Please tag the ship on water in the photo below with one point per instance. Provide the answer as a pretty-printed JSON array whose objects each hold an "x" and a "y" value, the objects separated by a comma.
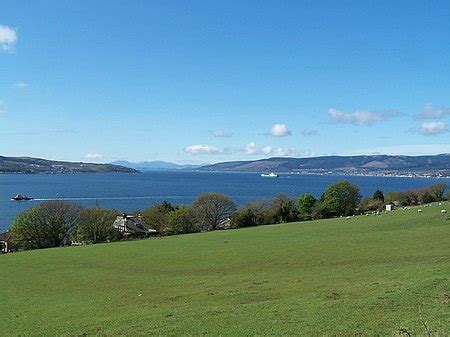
[{"x": 270, "y": 175}]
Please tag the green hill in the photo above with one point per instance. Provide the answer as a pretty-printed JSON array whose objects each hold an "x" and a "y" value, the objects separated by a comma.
[{"x": 382, "y": 275}]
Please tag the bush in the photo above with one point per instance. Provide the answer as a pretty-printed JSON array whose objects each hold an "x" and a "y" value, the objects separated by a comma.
[
  {"x": 183, "y": 220},
  {"x": 341, "y": 199},
  {"x": 49, "y": 224},
  {"x": 157, "y": 216},
  {"x": 370, "y": 204},
  {"x": 305, "y": 205},
  {"x": 96, "y": 225},
  {"x": 284, "y": 209}
]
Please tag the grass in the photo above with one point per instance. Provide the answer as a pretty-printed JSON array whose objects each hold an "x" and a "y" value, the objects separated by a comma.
[{"x": 383, "y": 275}]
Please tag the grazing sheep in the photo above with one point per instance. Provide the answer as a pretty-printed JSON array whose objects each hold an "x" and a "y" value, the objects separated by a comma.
[
  {"x": 419, "y": 210},
  {"x": 443, "y": 211},
  {"x": 349, "y": 217}
]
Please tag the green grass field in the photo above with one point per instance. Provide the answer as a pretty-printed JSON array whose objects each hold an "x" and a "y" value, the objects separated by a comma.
[{"x": 383, "y": 275}]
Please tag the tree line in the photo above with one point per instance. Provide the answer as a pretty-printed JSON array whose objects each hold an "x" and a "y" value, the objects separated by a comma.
[{"x": 58, "y": 223}]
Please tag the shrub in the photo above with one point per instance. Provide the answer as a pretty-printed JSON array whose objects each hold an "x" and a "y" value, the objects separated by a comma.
[
  {"x": 157, "y": 216},
  {"x": 341, "y": 199},
  {"x": 49, "y": 224},
  {"x": 96, "y": 225},
  {"x": 183, "y": 220},
  {"x": 305, "y": 205}
]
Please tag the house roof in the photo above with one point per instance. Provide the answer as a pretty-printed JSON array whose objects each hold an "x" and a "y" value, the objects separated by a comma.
[
  {"x": 5, "y": 236},
  {"x": 133, "y": 224}
]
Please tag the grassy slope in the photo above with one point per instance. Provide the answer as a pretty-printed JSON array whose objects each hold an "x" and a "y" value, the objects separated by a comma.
[{"x": 363, "y": 275}]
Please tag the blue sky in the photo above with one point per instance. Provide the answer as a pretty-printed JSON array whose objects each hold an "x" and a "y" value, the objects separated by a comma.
[{"x": 208, "y": 81}]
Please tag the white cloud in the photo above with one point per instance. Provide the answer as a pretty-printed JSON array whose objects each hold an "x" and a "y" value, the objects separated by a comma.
[
  {"x": 431, "y": 112},
  {"x": 2, "y": 107},
  {"x": 8, "y": 38},
  {"x": 221, "y": 133},
  {"x": 93, "y": 156},
  {"x": 251, "y": 148},
  {"x": 360, "y": 117},
  {"x": 203, "y": 149},
  {"x": 308, "y": 133},
  {"x": 20, "y": 85},
  {"x": 432, "y": 128},
  {"x": 280, "y": 130}
]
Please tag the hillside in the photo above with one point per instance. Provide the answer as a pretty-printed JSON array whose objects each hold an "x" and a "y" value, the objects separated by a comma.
[
  {"x": 375, "y": 275},
  {"x": 424, "y": 165},
  {"x": 37, "y": 165},
  {"x": 154, "y": 165}
]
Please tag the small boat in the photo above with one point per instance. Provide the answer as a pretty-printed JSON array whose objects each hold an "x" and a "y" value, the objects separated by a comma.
[
  {"x": 20, "y": 197},
  {"x": 270, "y": 175}
]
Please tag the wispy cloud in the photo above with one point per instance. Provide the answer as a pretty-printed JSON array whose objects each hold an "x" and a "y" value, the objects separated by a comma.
[
  {"x": 93, "y": 156},
  {"x": 252, "y": 148},
  {"x": 279, "y": 130},
  {"x": 360, "y": 117},
  {"x": 221, "y": 133},
  {"x": 431, "y": 111},
  {"x": 310, "y": 133},
  {"x": 431, "y": 128},
  {"x": 414, "y": 149},
  {"x": 8, "y": 38},
  {"x": 203, "y": 149},
  {"x": 20, "y": 85}
]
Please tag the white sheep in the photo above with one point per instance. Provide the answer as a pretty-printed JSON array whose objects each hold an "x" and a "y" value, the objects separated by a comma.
[
  {"x": 419, "y": 210},
  {"x": 443, "y": 211}
]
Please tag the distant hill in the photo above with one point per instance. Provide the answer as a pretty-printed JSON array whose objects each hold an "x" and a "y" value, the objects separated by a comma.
[
  {"x": 37, "y": 165},
  {"x": 155, "y": 165},
  {"x": 434, "y": 165}
]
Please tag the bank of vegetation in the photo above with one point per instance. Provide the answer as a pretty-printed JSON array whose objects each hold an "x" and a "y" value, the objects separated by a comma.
[{"x": 60, "y": 223}]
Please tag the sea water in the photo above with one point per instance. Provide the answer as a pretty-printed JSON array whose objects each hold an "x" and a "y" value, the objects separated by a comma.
[{"x": 135, "y": 192}]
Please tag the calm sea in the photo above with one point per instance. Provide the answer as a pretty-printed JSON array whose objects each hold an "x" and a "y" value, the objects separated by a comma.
[{"x": 132, "y": 192}]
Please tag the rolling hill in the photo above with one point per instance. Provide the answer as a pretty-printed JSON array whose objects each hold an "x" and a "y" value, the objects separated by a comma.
[
  {"x": 434, "y": 165},
  {"x": 37, "y": 165},
  {"x": 369, "y": 275}
]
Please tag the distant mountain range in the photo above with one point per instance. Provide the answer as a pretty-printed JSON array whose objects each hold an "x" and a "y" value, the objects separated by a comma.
[
  {"x": 37, "y": 165},
  {"x": 155, "y": 165},
  {"x": 436, "y": 165}
]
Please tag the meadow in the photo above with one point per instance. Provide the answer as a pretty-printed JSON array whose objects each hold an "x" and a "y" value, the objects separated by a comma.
[{"x": 385, "y": 275}]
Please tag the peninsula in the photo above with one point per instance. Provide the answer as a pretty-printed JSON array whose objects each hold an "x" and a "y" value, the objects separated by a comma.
[{"x": 36, "y": 165}]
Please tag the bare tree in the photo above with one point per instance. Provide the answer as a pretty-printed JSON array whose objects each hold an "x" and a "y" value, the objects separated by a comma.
[
  {"x": 212, "y": 208},
  {"x": 438, "y": 191}
]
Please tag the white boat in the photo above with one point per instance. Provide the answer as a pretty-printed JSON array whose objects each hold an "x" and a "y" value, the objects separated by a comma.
[{"x": 270, "y": 175}]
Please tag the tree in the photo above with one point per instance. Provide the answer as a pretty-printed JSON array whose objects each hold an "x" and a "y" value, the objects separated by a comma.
[
  {"x": 378, "y": 195},
  {"x": 341, "y": 199},
  {"x": 183, "y": 220},
  {"x": 213, "y": 207},
  {"x": 305, "y": 205},
  {"x": 244, "y": 217},
  {"x": 96, "y": 225},
  {"x": 49, "y": 224},
  {"x": 285, "y": 209},
  {"x": 438, "y": 191},
  {"x": 157, "y": 216}
]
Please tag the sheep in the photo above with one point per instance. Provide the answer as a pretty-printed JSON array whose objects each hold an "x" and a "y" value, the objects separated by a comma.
[
  {"x": 443, "y": 211},
  {"x": 419, "y": 210}
]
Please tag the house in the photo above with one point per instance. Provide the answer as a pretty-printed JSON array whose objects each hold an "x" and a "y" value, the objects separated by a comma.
[
  {"x": 131, "y": 225},
  {"x": 6, "y": 245},
  {"x": 225, "y": 224},
  {"x": 390, "y": 207}
]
